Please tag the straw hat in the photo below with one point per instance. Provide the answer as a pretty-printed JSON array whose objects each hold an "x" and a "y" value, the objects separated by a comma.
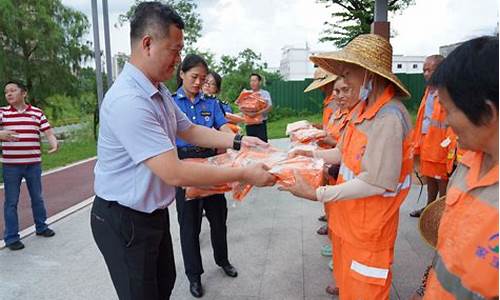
[
  {"x": 321, "y": 78},
  {"x": 369, "y": 51},
  {"x": 429, "y": 221}
]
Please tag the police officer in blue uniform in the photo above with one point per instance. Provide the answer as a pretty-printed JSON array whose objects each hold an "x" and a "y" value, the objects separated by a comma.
[{"x": 205, "y": 111}]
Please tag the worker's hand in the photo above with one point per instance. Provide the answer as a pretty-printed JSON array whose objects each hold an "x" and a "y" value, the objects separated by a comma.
[
  {"x": 301, "y": 188},
  {"x": 258, "y": 175},
  {"x": 252, "y": 142},
  {"x": 9, "y": 136},
  {"x": 300, "y": 152}
]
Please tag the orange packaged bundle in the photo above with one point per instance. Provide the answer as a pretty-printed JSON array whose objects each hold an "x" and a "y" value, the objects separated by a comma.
[
  {"x": 292, "y": 127},
  {"x": 223, "y": 160},
  {"x": 268, "y": 156},
  {"x": 311, "y": 169},
  {"x": 305, "y": 136},
  {"x": 253, "y": 120},
  {"x": 251, "y": 101},
  {"x": 234, "y": 118},
  {"x": 234, "y": 128}
]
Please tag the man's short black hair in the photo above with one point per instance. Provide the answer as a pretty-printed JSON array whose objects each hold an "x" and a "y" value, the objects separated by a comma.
[
  {"x": 18, "y": 83},
  {"x": 256, "y": 75},
  {"x": 470, "y": 75},
  {"x": 153, "y": 18}
]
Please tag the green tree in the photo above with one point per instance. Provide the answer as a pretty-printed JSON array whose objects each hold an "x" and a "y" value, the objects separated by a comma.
[
  {"x": 353, "y": 17},
  {"x": 41, "y": 43},
  {"x": 186, "y": 9}
]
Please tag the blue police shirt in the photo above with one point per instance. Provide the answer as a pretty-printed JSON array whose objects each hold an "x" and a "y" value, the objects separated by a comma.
[
  {"x": 204, "y": 111},
  {"x": 138, "y": 121},
  {"x": 226, "y": 108}
]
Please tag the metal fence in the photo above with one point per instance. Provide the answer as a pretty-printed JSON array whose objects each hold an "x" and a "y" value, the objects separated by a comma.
[{"x": 291, "y": 94}]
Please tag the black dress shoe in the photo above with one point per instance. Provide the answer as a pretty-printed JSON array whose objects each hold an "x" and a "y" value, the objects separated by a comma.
[
  {"x": 46, "y": 233},
  {"x": 18, "y": 245},
  {"x": 196, "y": 289},
  {"x": 416, "y": 213},
  {"x": 230, "y": 270}
]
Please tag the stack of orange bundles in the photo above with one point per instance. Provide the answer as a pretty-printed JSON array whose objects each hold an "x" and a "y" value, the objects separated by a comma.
[
  {"x": 299, "y": 125},
  {"x": 251, "y": 101},
  {"x": 311, "y": 169},
  {"x": 223, "y": 160},
  {"x": 268, "y": 156},
  {"x": 308, "y": 135}
]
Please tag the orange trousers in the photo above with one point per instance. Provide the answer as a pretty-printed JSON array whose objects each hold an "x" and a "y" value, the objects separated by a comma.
[{"x": 361, "y": 274}]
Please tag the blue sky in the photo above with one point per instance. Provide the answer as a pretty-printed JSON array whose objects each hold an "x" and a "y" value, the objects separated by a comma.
[{"x": 268, "y": 25}]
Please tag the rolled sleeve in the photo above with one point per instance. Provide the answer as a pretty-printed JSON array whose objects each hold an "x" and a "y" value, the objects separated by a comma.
[
  {"x": 381, "y": 164},
  {"x": 138, "y": 128}
]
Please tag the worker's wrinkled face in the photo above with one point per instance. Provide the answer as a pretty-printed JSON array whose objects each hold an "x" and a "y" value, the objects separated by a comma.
[
  {"x": 343, "y": 94},
  {"x": 430, "y": 66},
  {"x": 354, "y": 77},
  {"x": 470, "y": 136}
]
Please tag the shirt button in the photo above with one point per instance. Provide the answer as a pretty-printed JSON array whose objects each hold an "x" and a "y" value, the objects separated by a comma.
[
  {"x": 194, "y": 118},
  {"x": 192, "y": 107}
]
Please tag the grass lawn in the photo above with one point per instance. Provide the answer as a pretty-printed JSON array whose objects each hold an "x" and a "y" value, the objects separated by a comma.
[{"x": 276, "y": 129}]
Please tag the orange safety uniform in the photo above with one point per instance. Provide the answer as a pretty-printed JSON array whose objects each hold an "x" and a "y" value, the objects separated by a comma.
[
  {"x": 455, "y": 153},
  {"x": 328, "y": 109},
  {"x": 365, "y": 229},
  {"x": 430, "y": 131},
  {"x": 466, "y": 263}
]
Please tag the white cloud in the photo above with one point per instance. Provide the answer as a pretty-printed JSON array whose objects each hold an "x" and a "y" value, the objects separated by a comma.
[{"x": 265, "y": 26}]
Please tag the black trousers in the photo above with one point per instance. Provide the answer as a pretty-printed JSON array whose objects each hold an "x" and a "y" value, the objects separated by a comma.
[
  {"x": 189, "y": 215},
  {"x": 259, "y": 130},
  {"x": 137, "y": 249}
]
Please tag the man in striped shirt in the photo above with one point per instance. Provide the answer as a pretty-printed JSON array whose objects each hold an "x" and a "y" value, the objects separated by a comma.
[{"x": 22, "y": 125}]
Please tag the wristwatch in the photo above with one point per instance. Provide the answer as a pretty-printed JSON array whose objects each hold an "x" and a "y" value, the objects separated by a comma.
[{"x": 237, "y": 142}]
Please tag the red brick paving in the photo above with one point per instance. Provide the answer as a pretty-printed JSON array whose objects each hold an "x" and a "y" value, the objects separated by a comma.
[{"x": 61, "y": 190}]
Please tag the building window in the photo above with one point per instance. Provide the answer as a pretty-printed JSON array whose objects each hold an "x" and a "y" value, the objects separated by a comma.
[
  {"x": 415, "y": 66},
  {"x": 399, "y": 66}
]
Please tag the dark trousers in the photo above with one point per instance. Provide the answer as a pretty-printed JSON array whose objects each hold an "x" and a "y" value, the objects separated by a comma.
[
  {"x": 137, "y": 248},
  {"x": 189, "y": 215},
  {"x": 259, "y": 130},
  {"x": 12, "y": 177}
]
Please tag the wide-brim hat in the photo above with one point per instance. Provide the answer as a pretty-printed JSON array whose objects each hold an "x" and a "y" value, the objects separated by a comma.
[
  {"x": 320, "y": 78},
  {"x": 429, "y": 221},
  {"x": 369, "y": 51}
]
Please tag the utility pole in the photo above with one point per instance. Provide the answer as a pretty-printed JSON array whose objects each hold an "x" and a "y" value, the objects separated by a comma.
[{"x": 380, "y": 25}]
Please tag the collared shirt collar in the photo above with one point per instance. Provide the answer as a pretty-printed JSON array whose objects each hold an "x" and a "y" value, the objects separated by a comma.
[
  {"x": 181, "y": 95},
  {"x": 146, "y": 84},
  {"x": 12, "y": 108},
  {"x": 473, "y": 160}
]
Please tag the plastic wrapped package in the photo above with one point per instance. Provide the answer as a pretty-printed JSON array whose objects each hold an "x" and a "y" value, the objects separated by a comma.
[
  {"x": 251, "y": 101},
  {"x": 234, "y": 128},
  {"x": 291, "y": 127},
  {"x": 253, "y": 120},
  {"x": 305, "y": 136},
  {"x": 234, "y": 118},
  {"x": 222, "y": 160},
  {"x": 311, "y": 169}
]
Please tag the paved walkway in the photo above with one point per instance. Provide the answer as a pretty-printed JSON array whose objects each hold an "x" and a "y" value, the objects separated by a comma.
[{"x": 272, "y": 242}]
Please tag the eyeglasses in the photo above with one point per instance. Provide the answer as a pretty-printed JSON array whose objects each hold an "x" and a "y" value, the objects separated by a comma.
[{"x": 210, "y": 83}]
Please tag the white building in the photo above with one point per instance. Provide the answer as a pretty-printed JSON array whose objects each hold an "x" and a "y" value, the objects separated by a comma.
[
  {"x": 407, "y": 64},
  {"x": 295, "y": 63}
]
